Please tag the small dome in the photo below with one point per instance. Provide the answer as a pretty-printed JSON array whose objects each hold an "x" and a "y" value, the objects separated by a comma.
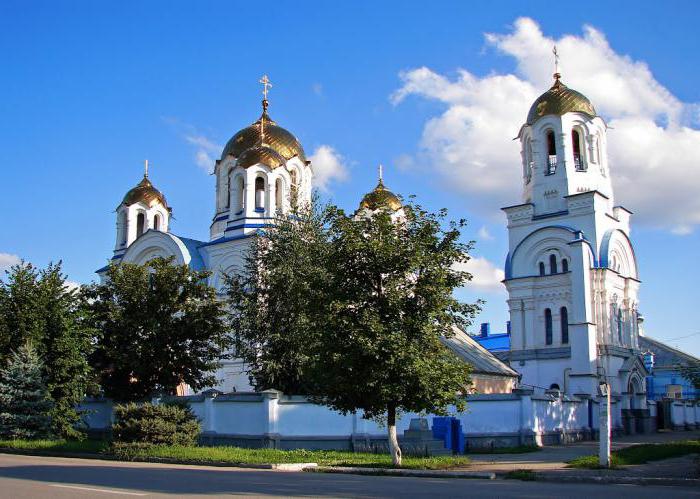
[
  {"x": 380, "y": 198},
  {"x": 145, "y": 193},
  {"x": 276, "y": 137},
  {"x": 559, "y": 100},
  {"x": 260, "y": 154}
]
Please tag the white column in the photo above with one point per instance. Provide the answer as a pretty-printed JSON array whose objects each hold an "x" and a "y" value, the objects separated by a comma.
[{"x": 605, "y": 428}]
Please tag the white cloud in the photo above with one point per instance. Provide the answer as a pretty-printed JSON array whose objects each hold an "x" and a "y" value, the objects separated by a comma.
[
  {"x": 484, "y": 234},
  {"x": 652, "y": 143},
  {"x": 7, "y": 260},
  {"x": 329, "y": 166},
  {"x": 485, "y": 275},
  {"x": 205, "y": 149}
]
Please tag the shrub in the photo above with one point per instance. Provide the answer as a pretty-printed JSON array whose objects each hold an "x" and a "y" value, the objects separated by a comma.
[{"x": 155, "y": 424}]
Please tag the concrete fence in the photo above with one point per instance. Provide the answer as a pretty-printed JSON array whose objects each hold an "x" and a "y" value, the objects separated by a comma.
[{"x": 272, "y": 419}]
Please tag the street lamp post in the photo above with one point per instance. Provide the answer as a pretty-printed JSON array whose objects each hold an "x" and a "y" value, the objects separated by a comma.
[{"x": 604, "y": 426}]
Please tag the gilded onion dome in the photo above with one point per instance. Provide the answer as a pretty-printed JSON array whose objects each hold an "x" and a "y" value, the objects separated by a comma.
[
  {"x": 144, "y": 192},
  {"x": 263, "y": 154},
  {"x": 266, "y": 130},
  {"x": 559, "y": 100},
  {"x": 380, "y": 198}
]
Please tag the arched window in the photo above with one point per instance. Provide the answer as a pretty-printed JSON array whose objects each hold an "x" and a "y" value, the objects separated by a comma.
[
  {"x": 564, "y": 265},
  {"x": 619, "y": 324},
  {"x": 564, "y": 318},
  {"x": 140, "y": 223},
  {"x": 228, "y": 190},
  {"x": 541, "y": 268},
  {"x": 551, "y": 154},
  {"x": 578, "y": 158},
  {"x": 294, "y": 189},
  {"x": 528, "y": 161},
  {"x": 124, "y": 228},
  {"x": 156, "y": 222},
  {"x": 279, "y": 195},
  {"x": 552, "y": 264},
  {"x": 547, "y": 326},
  {"x": 240, "y": 191},
  {"x": 259, "y": 194}
]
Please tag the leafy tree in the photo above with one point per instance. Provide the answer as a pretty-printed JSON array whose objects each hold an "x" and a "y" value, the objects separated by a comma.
[
  {"x": 278, "y": 299},
  {"x": 66, "y": 343},
  {"x": 691, "y": 372},
  {"x": 374, "y": 298},
  {"x": 24, "y": 399},
  {"x": 38, "y": 306},
  {"x": 160, "y": 325}
]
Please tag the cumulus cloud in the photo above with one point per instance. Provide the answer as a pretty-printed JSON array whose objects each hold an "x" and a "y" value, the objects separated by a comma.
[
  {"x": 206, "y": 151},
  {"x": 485, "y": 275},
  {"x": 484, "y": 233},
  {"x": 7, "y": 260},
  {"x": 329, "y": 166},
  {"x": 653, "y": 142}
]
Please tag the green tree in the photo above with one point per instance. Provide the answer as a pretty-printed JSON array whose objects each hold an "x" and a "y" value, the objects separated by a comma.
[
  {"x": 691, "y": 371},
  {"x": 159, "y": 325},
  {"x": 278, "y": 299},
  {"x": 24, "y": 399},
  {"x": 352, "y": 311},
  {"x": 66, "y": 343},
  {"x": 38, "y": 306}
]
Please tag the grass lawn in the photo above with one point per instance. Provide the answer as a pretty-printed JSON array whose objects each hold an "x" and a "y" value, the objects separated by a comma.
[
  {"x": 227, "y": 455},
  {"x": 640, "y": 454}
]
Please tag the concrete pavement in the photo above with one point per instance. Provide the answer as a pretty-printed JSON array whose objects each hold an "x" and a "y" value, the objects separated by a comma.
[{"x": 38, "y": 477}]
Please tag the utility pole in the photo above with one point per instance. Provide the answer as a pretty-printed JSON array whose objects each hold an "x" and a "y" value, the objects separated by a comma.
[{"x": 604, "y": 426}]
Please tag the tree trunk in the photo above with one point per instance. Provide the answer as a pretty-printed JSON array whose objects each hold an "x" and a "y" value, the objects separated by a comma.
[{"x": 394, "y": 448}]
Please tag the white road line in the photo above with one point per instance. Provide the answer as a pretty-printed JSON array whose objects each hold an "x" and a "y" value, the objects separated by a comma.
[{"x": 106, "y": 491}]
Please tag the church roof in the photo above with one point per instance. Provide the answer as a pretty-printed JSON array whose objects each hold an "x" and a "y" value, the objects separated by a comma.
[
  {"x": 665, "y": 356},
  {"x": 470, "y": 351},
  {"x": 559, "y": 100},
  {"x": 146, "y": 193},
  {"x": 265, "y": 131},
  {"x": 380, "y": 197}
]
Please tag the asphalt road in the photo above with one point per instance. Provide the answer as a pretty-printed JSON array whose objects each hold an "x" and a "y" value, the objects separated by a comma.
[{"x": 29, "y": 476}]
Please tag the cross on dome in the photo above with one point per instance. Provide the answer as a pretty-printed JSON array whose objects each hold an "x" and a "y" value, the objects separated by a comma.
[
  {"x": 557, "y": 75},
  {"x": 145, "y": 168}
]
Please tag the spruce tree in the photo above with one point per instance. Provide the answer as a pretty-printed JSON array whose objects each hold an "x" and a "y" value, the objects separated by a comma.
[{"x": 24, "y": 398}]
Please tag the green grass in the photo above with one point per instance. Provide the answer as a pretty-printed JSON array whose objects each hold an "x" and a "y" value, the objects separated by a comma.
[
  {"x": 55, "y": 446},
  {"x": 221, "y": 455},
  {"x": 237, "y": 455},
  {"x": 640, "y": 454}
]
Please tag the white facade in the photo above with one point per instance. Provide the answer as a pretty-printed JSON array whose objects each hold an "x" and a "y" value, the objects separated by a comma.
[
  {"x": 571, "y": 272},
  {"x": 254, "y": 184}
]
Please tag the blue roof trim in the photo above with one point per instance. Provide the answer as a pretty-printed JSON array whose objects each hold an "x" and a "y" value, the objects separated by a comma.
[
  {"x": 227, "y": 239},
  {"x": 248, "y": 226},
  {"x": 193, "y": 245},
  {"x": 222, "y": 217},
  {"x": 579, "y": 237},
  {"x": 605, "y": 249}
]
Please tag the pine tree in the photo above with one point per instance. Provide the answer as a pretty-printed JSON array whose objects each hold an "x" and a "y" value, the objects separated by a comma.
[{"x": 24, "y": 398}]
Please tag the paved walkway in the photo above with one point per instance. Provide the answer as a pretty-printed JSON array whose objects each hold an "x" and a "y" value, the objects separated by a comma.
[{"x": 555, "y": 457}]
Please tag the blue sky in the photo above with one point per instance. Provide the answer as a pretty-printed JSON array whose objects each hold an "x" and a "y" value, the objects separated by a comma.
[{"x": 91, "y": 89}]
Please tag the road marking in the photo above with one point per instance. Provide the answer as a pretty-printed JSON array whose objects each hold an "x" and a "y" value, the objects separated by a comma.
[{"x": 106, "y": 491}]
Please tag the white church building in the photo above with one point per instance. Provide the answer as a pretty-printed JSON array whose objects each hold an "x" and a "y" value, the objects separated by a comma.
[
  {"x": 571, "y": 271},
  {"x": 571, "y": 276}
]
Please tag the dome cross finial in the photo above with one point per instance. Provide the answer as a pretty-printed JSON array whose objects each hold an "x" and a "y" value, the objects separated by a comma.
[
  {"x": 557, "y": 75},
  {"x": 381, "y": 173},
  {"x": 267, "y": 84},
  {"x": 145, "y": 168}
]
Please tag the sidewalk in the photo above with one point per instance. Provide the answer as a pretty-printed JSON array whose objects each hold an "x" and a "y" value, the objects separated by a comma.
[{"x": 555, "y": 457}]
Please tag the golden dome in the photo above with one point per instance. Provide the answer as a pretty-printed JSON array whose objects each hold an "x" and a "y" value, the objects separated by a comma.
[
  {"x": 276, "y": 137},
  {"x": 260, "y": 154},
  {"x": 558, "y": 100},
  {"x": 380, "y": 198},
  {"x": 144, "y": 192}
]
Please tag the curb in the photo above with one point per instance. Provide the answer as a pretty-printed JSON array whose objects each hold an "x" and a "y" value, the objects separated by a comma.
[
  {"x": 402, "y": 472},
  {"x": 621, "y": 480}
]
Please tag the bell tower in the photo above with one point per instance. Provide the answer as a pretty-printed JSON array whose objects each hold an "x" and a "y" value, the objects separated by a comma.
[{"x": 571, "y": 272}]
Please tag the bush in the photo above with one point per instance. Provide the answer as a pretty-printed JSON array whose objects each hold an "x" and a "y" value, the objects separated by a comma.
[{"x": 155, "y": 424}]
